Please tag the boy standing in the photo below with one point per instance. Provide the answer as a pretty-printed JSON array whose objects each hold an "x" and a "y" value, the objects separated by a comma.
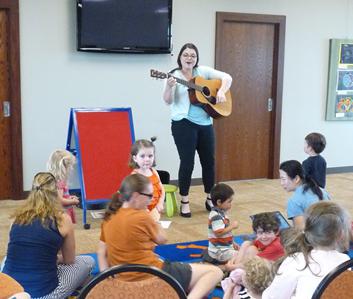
[
  {"x": 221, "y": 246},
  {"x": 315, "y": 165}
]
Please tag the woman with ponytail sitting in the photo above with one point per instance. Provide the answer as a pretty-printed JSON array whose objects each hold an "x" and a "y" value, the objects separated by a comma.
[
  {"x": 41, "y": 252},
  {"x": 306, "y": 191},
  {"x": 129, "y": 235},
  {"x": 311, "y": 253}
]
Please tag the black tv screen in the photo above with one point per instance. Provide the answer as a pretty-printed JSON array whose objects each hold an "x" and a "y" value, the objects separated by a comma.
[{"x": 135, "y": 26}]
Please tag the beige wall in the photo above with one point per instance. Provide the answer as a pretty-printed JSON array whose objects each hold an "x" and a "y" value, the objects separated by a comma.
[{"x": 56, "y": 77}]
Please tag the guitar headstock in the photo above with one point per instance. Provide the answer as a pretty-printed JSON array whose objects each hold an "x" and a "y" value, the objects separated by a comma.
[{"x": 158, "y": 74}]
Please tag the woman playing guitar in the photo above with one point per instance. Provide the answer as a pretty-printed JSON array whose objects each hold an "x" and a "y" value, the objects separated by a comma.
[{"x": 192, "y": 128}]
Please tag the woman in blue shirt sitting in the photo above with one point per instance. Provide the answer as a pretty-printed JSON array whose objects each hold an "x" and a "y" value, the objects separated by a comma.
[{"x": 306, "y": 191}]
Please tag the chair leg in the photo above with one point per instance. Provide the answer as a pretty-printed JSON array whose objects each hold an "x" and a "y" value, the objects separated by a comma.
[
  {"x": 169, "y": 205},
  {"x": 175, "y": 203}
]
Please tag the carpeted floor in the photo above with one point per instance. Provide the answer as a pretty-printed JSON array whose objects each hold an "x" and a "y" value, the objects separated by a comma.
[{"x": 251, "y": 196}]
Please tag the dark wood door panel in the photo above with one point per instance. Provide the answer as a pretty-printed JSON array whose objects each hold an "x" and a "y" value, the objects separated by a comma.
[
  {"x": 248, "y": 50},
  {"x": 11, "y": 176},
  {"x": 5, "y": 140}
]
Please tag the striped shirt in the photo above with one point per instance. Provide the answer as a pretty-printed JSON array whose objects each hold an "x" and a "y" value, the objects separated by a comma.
[{"x": 217, "y": 222}]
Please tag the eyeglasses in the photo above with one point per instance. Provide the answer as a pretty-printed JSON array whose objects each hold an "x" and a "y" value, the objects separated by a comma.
[
  {"x": 186, "y": 55},
  {"x": 145, "y": 194},
  {"x": 260, "y": 232}
]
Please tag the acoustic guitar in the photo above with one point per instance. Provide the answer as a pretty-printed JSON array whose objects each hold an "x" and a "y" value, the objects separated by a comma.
[{"x": 203, "y": 93}]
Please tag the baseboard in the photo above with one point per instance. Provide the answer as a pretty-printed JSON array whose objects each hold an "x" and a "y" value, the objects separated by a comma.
[
  {"x": 198, "y": 181},
  {"x": 342, "y": 169},
  {"x": 330, "y": 170},
  {"x": 194, "y": 182}
]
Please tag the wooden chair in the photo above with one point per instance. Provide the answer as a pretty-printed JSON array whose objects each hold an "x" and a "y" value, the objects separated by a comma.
[
  {"x": 336, "y": 284},
  {"x": 110, "y": 284}
]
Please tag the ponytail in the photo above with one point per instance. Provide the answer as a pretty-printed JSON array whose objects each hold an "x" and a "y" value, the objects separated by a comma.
[
  {"x": 327, "y": 225},
  {"x": 293, "y": 241},
  {"x": 310, "y": 183},
  {"x": 114, "y": 205},
  {"x": 132, "y": 183}
]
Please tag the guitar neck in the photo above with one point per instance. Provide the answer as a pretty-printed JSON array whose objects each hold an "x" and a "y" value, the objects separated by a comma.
[{"x": 189, "y": 84}]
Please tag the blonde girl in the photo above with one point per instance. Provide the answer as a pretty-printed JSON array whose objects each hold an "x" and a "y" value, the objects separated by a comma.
[
  {"x": 142, "y": 160},
  {"x": 318, "y": 251},
  {"x": 60, "y": 164},
  {"x": 41, "y": 229},
  {"x": 255, "y": 275}
]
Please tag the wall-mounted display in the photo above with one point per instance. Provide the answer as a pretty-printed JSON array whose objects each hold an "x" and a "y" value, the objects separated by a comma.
[{"x": 340, "y": 80}]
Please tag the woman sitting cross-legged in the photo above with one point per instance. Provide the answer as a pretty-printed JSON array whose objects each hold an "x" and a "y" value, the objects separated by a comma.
[
  {"x": 129, "y": 236},
  {"x": 40, "y": 230}
]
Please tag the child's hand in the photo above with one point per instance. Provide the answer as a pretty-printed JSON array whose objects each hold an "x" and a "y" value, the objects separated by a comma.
[
  {"x": 74, "y": 200},
  {"x": 235, "y": 224},
  {"x": 236, "y": 246}
]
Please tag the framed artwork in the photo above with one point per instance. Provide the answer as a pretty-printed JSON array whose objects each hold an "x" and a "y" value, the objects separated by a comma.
[{"x": 340, "y": 80}]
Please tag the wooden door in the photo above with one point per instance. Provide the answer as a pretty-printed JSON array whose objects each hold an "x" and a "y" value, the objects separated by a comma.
[
  {"x": 250, "y": 48},
  {"x": 11, "y": 184}
]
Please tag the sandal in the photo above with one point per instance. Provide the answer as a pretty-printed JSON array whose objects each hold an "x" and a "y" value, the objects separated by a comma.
[
  {"x": 185, "y": 215},
  {"x": 207, "y": 205}
]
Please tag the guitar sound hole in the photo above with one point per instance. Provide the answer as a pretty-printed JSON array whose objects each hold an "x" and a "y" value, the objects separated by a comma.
[{"x": 206, "y": 92}]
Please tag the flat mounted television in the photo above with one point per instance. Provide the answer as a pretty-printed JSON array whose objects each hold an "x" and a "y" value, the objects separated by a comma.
[{"x": 124, "y": 26}]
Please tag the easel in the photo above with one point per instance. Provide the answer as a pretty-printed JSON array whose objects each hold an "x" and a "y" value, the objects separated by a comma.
[{"x": 101, "y": 140}]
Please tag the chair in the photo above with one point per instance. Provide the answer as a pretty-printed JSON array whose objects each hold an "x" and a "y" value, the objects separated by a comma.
[
  {"x": 107, "y": 284},
  {"x": 171, "y": 205},
  {"x": 336, "y": 284}
]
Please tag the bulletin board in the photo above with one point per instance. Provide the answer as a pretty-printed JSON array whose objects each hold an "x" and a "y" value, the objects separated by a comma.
[
  {"x": 340, "y": 81},
  {"x": 101, "y": 139}
]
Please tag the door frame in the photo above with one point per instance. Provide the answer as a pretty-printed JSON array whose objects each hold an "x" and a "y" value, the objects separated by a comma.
[
  {"x": 12, "y": 8},
  {"x": 277, "y": 82}
]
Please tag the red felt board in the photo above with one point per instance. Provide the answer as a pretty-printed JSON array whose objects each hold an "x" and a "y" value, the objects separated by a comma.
[{"x": 105, "y": 139}]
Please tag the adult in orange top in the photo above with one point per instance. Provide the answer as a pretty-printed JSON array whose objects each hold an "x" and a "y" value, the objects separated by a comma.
[{"x": 129, "y": 235}]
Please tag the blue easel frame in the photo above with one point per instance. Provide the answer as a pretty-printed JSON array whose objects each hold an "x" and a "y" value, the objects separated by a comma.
[{"x": 73, "y": 135}]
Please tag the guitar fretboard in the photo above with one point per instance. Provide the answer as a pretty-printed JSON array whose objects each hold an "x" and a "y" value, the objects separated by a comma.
[{"x": 186, "y": 83}]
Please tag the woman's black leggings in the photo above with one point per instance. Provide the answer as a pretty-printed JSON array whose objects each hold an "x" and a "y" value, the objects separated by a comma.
[{"x": 190, "y": 137}]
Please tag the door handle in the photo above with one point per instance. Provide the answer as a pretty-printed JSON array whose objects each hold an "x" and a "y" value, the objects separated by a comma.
[
  {"x": 269, "y": 104},
  {"x": 6, "y": 108}
]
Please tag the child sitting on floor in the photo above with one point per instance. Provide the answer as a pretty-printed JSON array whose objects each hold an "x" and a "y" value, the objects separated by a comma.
[
  {"x": 267, "y": 244},
  {"x": 221, "y": 247},
  {"x": 250, "y": 281}
]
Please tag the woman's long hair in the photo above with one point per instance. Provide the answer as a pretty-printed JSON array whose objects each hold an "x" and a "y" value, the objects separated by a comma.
[
  {"x": 42, "y": 203},
  {"x": 294, "y": 168},
  {"x": 132, "y": 183},
  {"x": 327, "y": 225}
]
